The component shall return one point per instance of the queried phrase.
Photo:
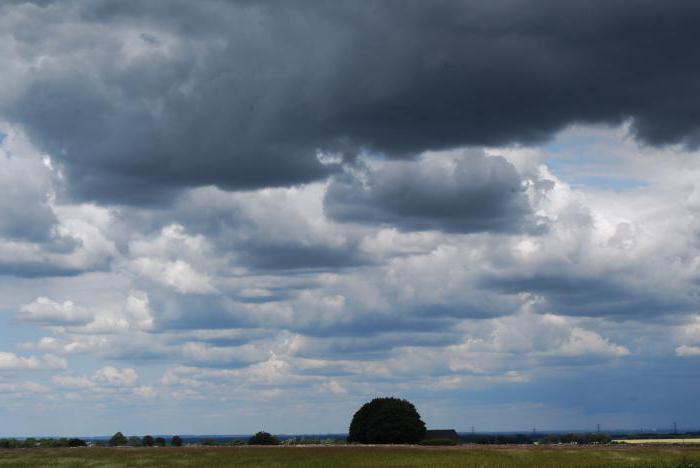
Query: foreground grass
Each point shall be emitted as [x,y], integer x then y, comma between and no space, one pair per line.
[355,456]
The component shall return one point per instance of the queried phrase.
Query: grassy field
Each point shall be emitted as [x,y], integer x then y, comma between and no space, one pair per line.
[501,456]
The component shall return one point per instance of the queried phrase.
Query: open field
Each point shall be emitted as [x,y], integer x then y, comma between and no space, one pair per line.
[659,441]
[496,456]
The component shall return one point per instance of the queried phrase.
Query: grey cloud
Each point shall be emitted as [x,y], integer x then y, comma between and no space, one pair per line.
[221,337]
[605,295]
[241,95]
[25,213]
[472,194]
[62,256]
[269,231]
[48,312]
[34,242]
[293,256]
[38,269]
[373,347]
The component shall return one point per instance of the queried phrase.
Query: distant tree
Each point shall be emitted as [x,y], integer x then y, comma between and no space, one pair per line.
[577,438]
[176,441]
[62,442]
[29,442]
[263,438]
[147,441]
[501,439]
[75,442]
[9,443]
[159,442]
[135,441]
[118,439]
[387,421]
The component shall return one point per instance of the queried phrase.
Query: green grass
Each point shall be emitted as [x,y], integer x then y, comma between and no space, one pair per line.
[305,456]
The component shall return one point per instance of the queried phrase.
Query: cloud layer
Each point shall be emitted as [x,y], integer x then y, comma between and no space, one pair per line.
[137,102]
[223,214]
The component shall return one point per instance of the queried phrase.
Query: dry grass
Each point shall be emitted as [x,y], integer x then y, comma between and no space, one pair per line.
[341,456]
[659,441]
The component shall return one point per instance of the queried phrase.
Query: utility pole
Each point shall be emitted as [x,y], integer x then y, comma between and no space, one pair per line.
[675,427]
[597,428]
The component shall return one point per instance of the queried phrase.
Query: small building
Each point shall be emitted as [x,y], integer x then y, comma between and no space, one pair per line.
[442,434]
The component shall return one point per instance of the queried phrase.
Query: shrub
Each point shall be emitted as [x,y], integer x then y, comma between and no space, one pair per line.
[263,438]
[387,421]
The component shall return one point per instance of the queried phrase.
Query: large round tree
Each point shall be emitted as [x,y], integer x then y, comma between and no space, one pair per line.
[387,421]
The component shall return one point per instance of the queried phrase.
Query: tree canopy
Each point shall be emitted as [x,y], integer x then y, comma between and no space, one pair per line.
[263,438]
[387,421]
[118,439]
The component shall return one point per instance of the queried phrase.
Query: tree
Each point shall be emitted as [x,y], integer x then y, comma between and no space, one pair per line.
[29,442]
[75,442]
[176,441]
[387,421]
[263,438]
[148,441]
[159,442]
[135,441]
[118,439]
[9,443]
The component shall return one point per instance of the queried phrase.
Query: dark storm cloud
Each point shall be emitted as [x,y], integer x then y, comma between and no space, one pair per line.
[242,94]
[472,194]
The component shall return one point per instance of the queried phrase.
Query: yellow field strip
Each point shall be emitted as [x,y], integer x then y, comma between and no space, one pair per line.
[658,441]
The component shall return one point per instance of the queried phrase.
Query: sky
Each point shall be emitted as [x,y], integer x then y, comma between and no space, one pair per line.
[219,217]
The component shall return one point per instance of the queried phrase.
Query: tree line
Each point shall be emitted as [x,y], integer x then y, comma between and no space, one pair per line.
[380,421]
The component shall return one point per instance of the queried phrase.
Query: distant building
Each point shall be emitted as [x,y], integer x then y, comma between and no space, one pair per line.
[442,434]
